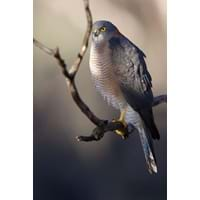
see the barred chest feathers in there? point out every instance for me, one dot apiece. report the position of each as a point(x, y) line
point(101, 68)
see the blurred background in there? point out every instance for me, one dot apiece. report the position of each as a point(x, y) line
point(111, 169)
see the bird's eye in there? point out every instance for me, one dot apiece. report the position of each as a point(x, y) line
point(103, 29)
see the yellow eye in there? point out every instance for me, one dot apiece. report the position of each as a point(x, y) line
point(103, 29)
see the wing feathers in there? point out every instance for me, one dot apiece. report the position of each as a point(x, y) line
point(134, 79)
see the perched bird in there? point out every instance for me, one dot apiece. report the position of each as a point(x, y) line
point(120, 74)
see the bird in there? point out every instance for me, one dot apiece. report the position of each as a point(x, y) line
point(119, 72)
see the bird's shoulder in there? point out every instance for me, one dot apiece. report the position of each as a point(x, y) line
point(123, 45)
point(130, 65)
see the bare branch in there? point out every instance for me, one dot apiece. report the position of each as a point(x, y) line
point(70, 74)
point(80, 103)
point(76, 65)
point(159, 99)
point(43, 47)
point(102, 126)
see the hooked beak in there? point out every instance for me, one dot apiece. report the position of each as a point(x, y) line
point(96, 32)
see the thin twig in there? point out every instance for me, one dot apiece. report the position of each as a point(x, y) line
point(75, 67)
point(102, 126)
point(160, 99)
point(43, 47)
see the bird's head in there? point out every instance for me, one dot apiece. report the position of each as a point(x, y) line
point(103, 31)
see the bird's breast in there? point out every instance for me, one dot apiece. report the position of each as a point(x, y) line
point(100, 64)
point(101, 68)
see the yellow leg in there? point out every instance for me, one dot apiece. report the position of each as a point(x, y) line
point(122, 120)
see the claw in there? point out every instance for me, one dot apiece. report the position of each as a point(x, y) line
point(122, 133)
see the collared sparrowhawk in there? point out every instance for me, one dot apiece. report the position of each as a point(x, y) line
point(120, 74)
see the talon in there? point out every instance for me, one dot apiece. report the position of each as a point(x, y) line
point(122, 133)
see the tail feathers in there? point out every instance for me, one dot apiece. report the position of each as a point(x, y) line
point(147, 146)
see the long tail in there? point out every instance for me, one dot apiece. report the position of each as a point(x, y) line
point(134, 118)
point(147, 145)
